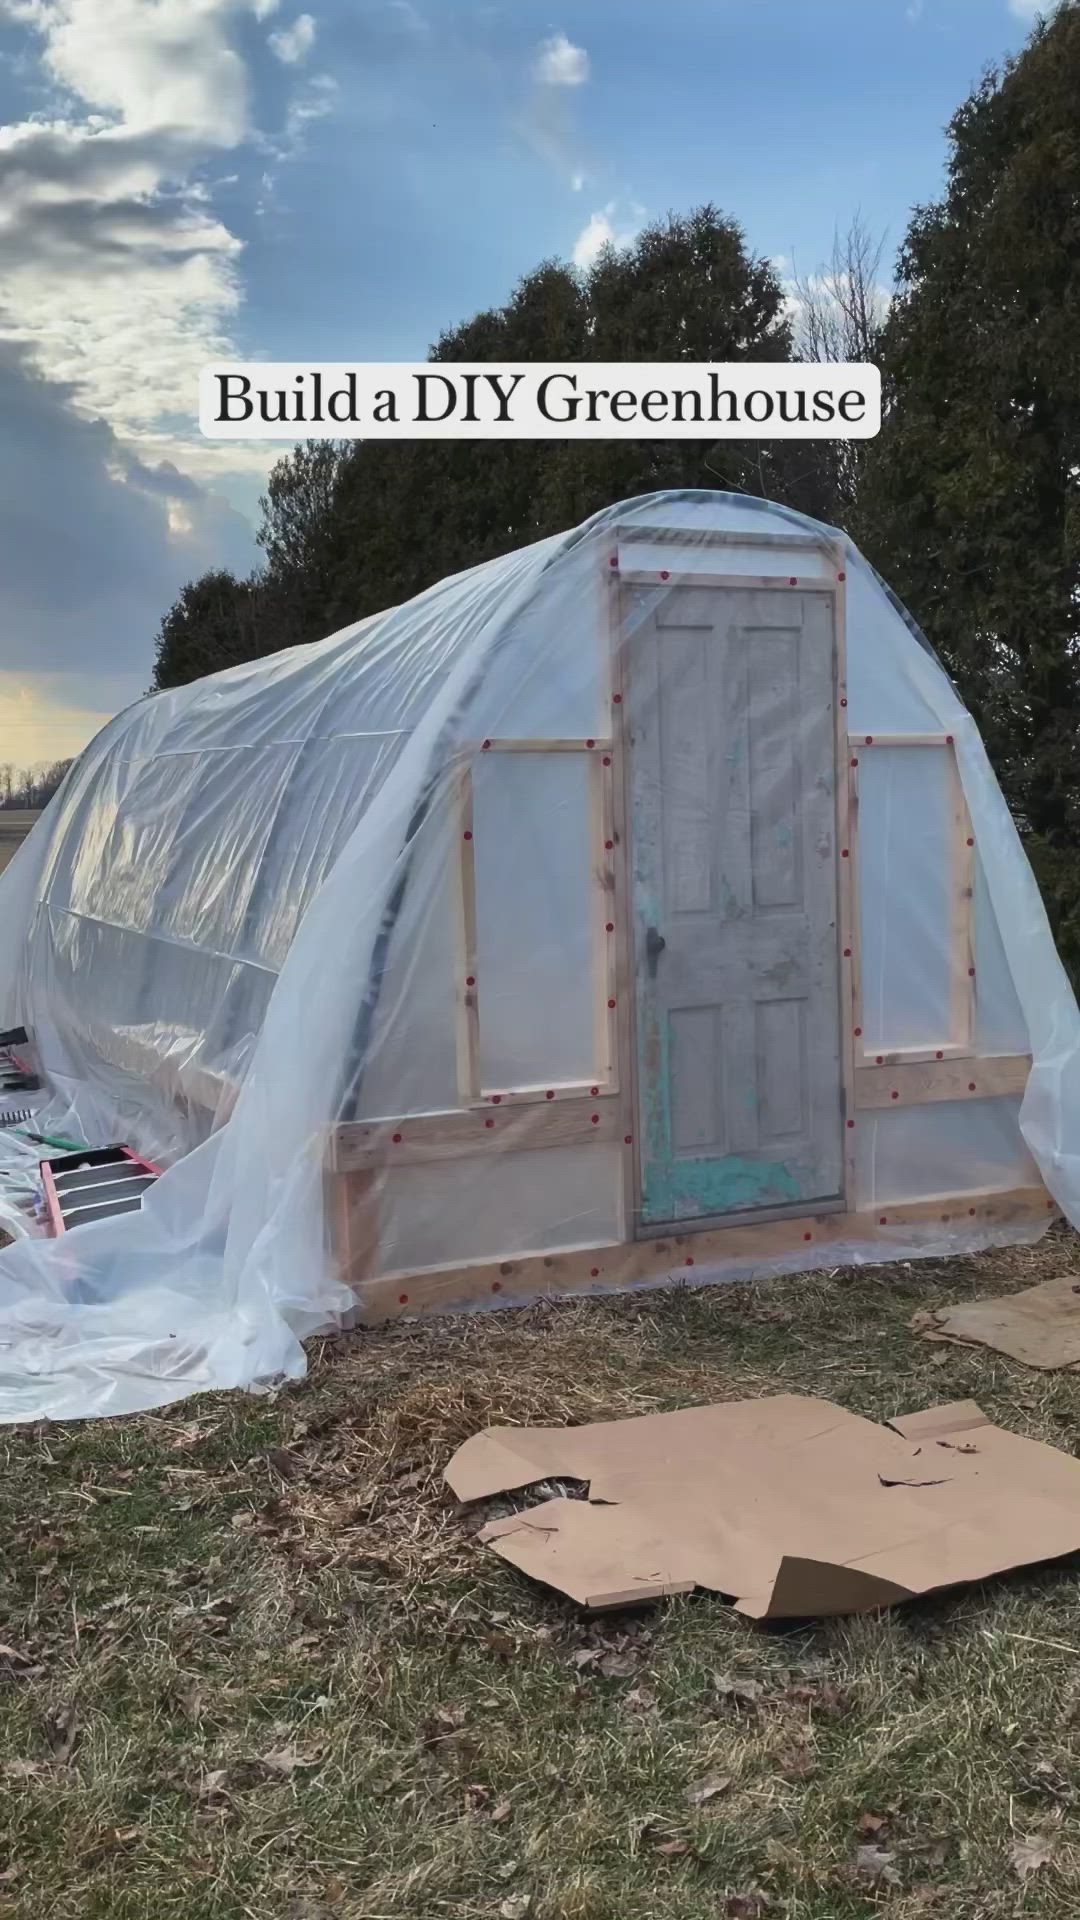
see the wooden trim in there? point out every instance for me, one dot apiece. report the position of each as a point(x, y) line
point(541, 746)
point(914, 1084)
point(908, 1056)
point(961, 913)
point(536, 1096)
point(605, 920)
point(357, 1144)
point(617, 1268)
point(856, 741)
point(619, 881)
point(847, 915)
point(352, 1206)
point(754, 582)
point(714, 537)
point(467, 997)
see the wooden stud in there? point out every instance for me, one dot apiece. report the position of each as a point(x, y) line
point(847, 829)
point(913, 1084)
point(361, 1144)
point(353, 1214)
point(606, 910)
point(712, 537)
point(857, 741)
point(755, 582)
point(905, 1056)
point(613, 1268)
point(962, 913)
point(465, 950)
point(599, 745)
point(545, 1094)
point(625, 1066)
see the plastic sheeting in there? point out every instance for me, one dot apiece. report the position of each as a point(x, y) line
point(234, 926)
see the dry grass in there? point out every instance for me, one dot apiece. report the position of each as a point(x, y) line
point(255, 1664)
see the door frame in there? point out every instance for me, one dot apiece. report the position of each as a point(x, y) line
point(826, 573)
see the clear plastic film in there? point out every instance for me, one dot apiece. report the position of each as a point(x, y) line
point(359, 943)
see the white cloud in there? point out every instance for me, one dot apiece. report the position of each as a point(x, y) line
point(295, 42)
point(577, 182)
point(116, 275)
point(169, 64)
point(602, 230)
point(560, 64)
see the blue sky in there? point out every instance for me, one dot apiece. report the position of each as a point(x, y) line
point(181, 179)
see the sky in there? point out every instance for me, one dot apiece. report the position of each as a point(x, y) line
point(186, 180)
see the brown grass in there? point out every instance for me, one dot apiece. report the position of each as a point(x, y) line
point(256, 1664)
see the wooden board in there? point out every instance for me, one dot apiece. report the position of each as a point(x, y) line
point(916, 1083)
point(497, 1128)
point(678, 1257)
point(466, 983)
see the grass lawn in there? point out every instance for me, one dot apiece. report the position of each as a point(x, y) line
point(255, 1664)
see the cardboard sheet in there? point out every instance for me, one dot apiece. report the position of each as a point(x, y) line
point(791, 1506)
point(1040, 1326)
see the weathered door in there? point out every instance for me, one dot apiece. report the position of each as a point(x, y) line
point(733, 836)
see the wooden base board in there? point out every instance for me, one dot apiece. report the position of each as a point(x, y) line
point(615, 1269)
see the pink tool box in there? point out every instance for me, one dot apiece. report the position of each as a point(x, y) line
point(94, 1185)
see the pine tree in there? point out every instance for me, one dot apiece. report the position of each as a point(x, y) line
point(971, 496)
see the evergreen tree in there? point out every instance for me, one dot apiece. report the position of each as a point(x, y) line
point(971, 495)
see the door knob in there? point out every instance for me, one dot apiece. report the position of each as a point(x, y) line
point(654, 947)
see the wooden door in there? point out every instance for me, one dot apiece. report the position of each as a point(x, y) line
point(733, 842)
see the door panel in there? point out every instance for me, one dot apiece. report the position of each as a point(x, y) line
point(733, 842)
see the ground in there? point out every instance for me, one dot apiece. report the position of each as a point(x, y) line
point(255, 1662)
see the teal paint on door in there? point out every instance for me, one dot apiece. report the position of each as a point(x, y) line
point(733, 861)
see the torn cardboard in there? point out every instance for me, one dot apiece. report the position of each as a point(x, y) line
point(1040, 1326)
point(791, 1506)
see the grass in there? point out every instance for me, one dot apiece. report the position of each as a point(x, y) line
point(255, 1663)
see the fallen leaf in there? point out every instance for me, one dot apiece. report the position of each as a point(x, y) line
point(285, 1761)
point(700, 1795)
point(824, 1698)
point(1028, 1855)
point(62, 1732)
point(502, 1812)
point(745, 1906)
point(212, 1785)
point(640, 1699)
point(516, 1906)
point(745, 1692)
point(22, 1769)
point(872, 1823)
point(1049, 1780)
point(874, 1863)
point(672, 1846)
point(617, 1666)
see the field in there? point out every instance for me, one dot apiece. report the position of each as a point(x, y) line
point(254, 1662)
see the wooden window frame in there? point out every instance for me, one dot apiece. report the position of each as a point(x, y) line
point(604, 1080)
point(958, 1042)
